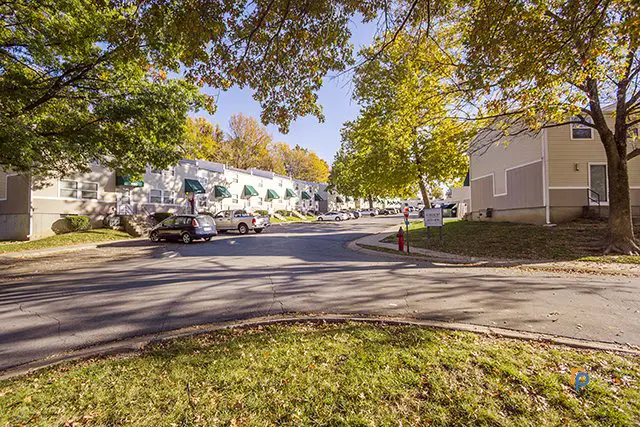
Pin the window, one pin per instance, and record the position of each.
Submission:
(235, 178)
(88, 190)
(234, 198)
(162, 197)
(69, 189)
(78, 190)
(280, 183)
(580, 131)
(155, 196)
(169, 197)
(260, 183)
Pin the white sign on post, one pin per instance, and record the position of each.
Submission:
(433, 217)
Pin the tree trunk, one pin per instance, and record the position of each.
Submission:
(370, 202)
(621, 238)
(424, 192)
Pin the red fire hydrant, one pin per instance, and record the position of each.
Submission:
(400, 237)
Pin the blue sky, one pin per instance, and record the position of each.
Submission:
(334, 96)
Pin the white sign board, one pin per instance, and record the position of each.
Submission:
(433, 217)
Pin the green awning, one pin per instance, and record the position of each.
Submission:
(221, 192)
(193, 186)
(306, 196)
(272, 195)
(339, 199)
(249, 191)
(289, 193)
(126, 181)
(317, 197)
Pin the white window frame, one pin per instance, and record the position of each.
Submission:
(606, 173)
(78, 190)
(151, 196)
(164, 194)
(580, 126)
(235, 178)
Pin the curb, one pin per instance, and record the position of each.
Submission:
(440, 257)
(136, 344)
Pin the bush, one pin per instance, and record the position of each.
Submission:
(261, 212)
(79, 222)
(161, 216)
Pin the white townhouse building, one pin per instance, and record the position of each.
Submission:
(28, 211)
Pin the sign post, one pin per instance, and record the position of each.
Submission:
(406, 223)
(433, 218)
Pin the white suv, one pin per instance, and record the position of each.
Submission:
(369, 212)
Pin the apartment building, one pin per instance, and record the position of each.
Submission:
(28, 210)
(554, 176)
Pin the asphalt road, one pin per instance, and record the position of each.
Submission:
(88, 299)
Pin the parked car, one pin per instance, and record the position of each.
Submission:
(240, 220)
(350, 214)
(356, 214)
(186, 228)
(369, 212)
(333, 216)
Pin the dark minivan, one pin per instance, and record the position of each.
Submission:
(186, 228)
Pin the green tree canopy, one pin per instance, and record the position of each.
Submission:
(76, 87)
(405, 138)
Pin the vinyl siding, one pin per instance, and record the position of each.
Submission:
(565, 154)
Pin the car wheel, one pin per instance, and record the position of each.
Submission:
(186, 238)
(243, 229)
(258, 230)
(154, 236)
(338, 218)
(207, 239)
(319, 218)
(373, 214)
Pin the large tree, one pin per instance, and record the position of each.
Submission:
(84, 80)
(403, 139)
(76, 86)
(557, 62)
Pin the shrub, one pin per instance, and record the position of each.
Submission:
(79, 222)
(261, 212)
(161, 216)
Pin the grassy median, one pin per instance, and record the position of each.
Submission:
(577, 240)
(69, 239)
(348, 374)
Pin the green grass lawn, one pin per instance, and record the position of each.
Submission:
(578, 240)
(68, 239)
(287, 219)
(349, 374)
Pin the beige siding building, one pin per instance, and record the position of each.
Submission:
(554, 176)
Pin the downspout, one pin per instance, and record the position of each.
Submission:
(30, 207)
(545, 176)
